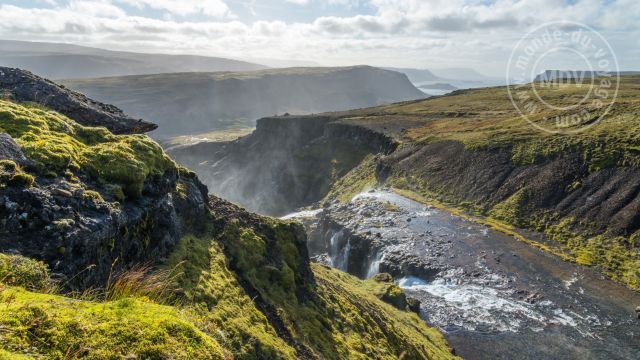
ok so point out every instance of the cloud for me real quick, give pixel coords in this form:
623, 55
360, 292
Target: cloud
416, 33
213, 8
299, 2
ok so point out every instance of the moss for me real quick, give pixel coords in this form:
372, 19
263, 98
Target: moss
226, 312
54, 327
58, 144
93, 195
363, 327
116, 192
17, 270
12, 174
512, 210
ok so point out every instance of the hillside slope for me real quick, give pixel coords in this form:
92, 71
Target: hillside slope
137, 262
63, 61
191, 103
578, 193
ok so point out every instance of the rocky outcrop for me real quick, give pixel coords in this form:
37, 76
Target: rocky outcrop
87, 202
288, 162
23, 86
84, 238
10, 150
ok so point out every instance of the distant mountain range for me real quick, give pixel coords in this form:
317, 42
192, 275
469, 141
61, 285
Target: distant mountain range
190, 103
62, 61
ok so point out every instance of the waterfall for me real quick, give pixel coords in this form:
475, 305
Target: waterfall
339, 254
374, 265
342, 262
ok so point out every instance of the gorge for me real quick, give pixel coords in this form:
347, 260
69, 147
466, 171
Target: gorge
555, 212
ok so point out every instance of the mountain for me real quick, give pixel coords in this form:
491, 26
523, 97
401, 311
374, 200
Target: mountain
110, 249
60, 61
188, 103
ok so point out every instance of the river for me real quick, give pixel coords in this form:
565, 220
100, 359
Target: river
493, 297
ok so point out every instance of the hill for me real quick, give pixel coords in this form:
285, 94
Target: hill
62, 61
189, 103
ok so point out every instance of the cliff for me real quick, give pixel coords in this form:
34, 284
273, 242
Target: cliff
288, 162
188, 103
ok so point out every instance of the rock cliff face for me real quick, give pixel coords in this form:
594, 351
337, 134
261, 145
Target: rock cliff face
23, 86
85, 201
188, 103
288, 162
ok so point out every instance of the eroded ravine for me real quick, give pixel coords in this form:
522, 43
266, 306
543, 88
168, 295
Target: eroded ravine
489, 293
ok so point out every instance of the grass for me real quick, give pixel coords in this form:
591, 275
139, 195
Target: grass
35, 325
59, 145
142, 281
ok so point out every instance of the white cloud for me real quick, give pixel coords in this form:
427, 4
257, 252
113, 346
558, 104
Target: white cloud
299, 2
213, 8
416, 33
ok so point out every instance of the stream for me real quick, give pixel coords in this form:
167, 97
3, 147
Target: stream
493, 296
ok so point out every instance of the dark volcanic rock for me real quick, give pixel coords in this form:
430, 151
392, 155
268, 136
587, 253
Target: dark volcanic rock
20, 85
10, 150
85, 238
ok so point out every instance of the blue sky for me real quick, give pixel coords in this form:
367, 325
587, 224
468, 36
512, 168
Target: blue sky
478, 34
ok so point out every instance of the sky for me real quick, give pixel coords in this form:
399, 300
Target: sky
478, 34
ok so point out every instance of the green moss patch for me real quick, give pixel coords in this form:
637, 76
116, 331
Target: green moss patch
12, 174
58, 144
222, 307
54, 327
359, 179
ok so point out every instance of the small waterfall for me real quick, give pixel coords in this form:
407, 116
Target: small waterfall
339, 254
334, 251
374, 265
